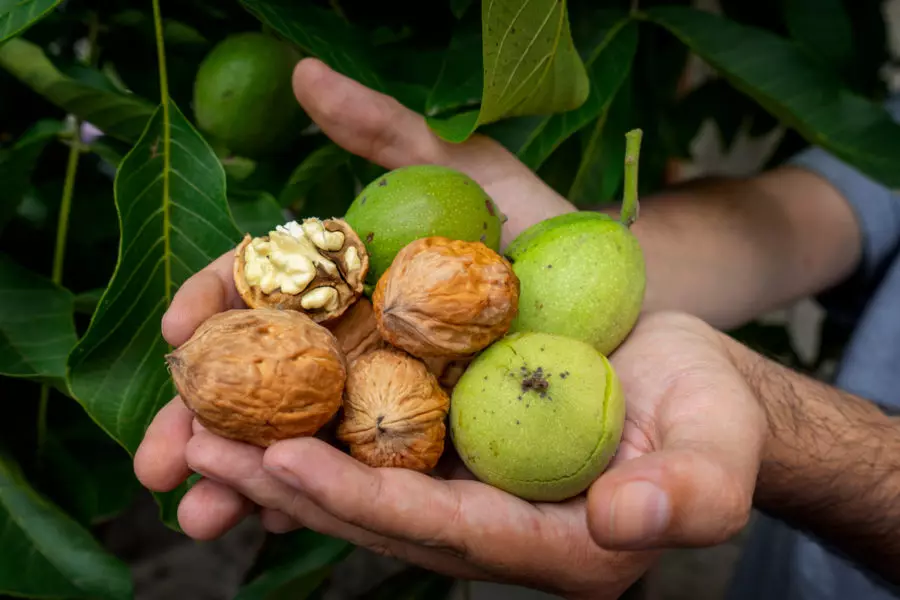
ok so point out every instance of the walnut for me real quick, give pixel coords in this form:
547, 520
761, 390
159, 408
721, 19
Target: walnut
394, 412
446, 298
259, 376
356, 331
447, 370
317, 267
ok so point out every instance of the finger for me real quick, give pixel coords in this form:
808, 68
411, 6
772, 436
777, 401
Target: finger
210, 509
363, 121
697, 489
240, 467
466, 519
276, 521
159, 461
204, 294
380, 129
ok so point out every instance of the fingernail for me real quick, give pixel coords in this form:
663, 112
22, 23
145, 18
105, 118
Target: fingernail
639, 514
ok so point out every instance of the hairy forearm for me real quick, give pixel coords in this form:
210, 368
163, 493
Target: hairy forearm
729, 250
831, 464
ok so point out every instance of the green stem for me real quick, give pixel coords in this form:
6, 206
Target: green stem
630, 205
59, 256
65, 207
167, 143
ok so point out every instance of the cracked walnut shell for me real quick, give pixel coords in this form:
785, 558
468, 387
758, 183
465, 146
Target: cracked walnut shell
446, 298
394, 412
315, 267
259, 376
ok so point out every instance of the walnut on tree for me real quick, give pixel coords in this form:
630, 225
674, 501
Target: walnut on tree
446, 298
316, 267
259, 376
356, 331
394, 412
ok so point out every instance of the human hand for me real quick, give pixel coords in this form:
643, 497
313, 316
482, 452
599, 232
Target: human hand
494, 535
379, 129
693, 431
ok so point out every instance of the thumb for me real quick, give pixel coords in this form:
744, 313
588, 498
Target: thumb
697, 488
676, 498
364, 122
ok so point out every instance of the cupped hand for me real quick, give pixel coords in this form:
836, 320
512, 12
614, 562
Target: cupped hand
377, 128
683, 476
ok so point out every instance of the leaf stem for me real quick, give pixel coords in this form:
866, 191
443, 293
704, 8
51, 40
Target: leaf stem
630, 205
167, 143
59, 257
65, 206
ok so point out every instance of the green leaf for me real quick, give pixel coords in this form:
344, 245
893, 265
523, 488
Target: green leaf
292, 565
609, 64
793, 87
174, 220
315, 166
255, 212
86, 302
600, 172
18, 162
323, 34
83, 470
331, 196
46, 553
823, 28
122, 116
529, 62
18, 15
413, 583
37, 330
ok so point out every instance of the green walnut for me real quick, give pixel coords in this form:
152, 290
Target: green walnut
538, 415
582, 275
243, 99
421, 201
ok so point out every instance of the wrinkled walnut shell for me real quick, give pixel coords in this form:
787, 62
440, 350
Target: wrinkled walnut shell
394, 412
447, 370
347, 282
446, 298
356, 331
259, 376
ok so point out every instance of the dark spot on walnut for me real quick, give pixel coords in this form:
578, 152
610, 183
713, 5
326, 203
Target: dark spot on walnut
382, 183
490, 207
535, 381
370, 237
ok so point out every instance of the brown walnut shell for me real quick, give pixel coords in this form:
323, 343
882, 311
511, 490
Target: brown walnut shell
394, 412
346, 280
446, 298
259, 376
356, 330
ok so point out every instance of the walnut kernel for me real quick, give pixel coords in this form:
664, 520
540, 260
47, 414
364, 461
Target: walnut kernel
317, 267
394, 412
446, 298
259, 376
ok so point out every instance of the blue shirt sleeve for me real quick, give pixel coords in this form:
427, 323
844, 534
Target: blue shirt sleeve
877, 209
